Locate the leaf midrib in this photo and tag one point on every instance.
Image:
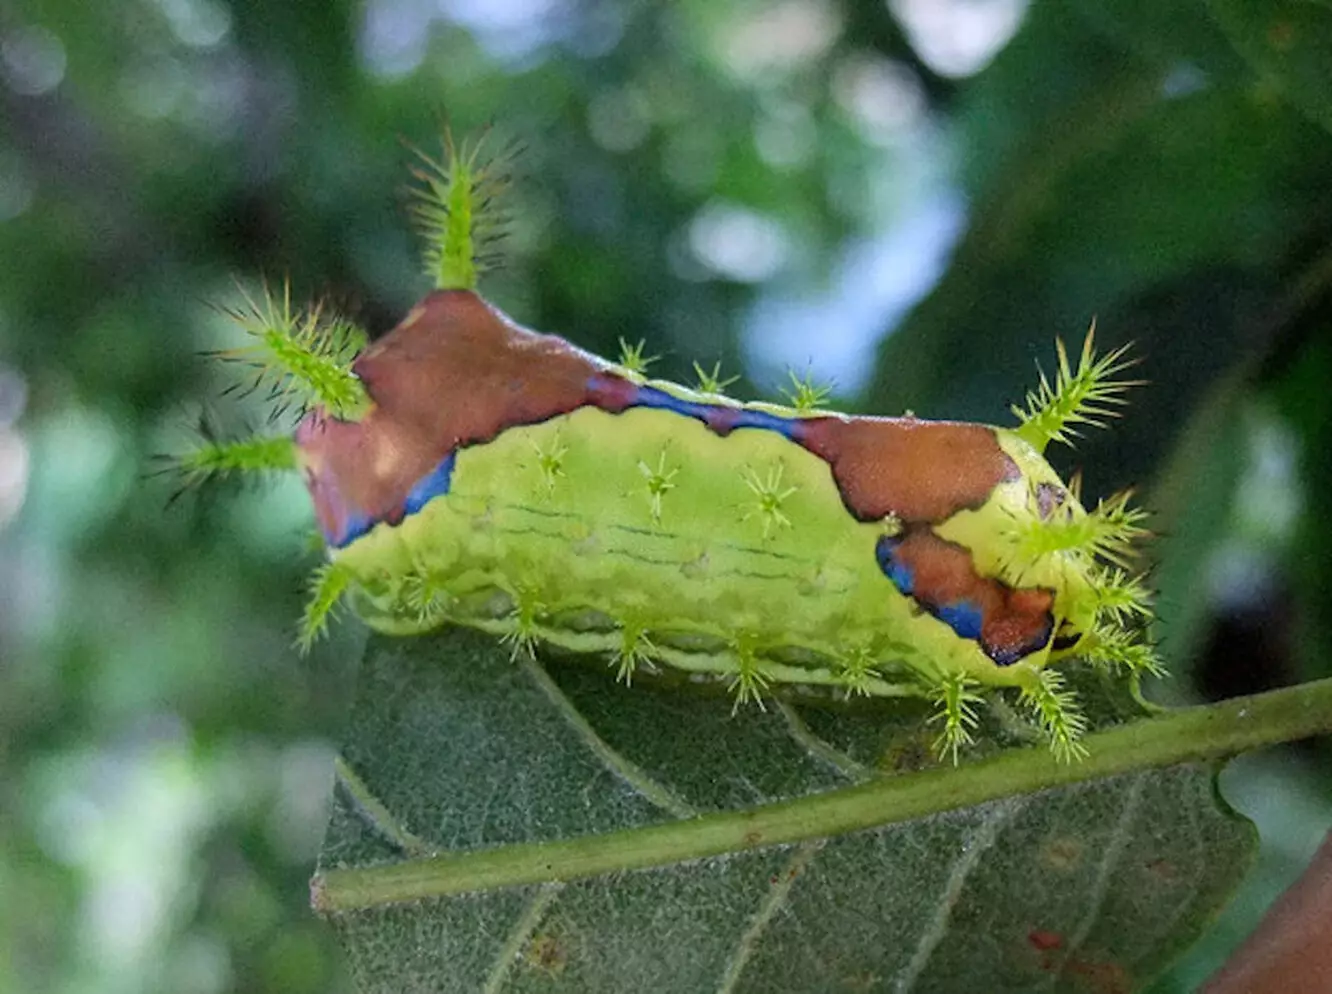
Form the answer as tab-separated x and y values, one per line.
1186	735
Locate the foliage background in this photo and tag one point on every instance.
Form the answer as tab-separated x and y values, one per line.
911	199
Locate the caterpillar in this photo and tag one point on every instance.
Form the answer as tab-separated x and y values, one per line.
466	470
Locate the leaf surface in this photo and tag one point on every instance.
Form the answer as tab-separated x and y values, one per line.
454	748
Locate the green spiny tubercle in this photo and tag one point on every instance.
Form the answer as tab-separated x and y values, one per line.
216	461
955	703
1121	598
1084	396
302	357
455	210
712	382
1108	532
329	584
805	393
632	360
1055	710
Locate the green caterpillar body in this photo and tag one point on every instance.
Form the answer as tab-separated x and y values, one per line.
509	481
466	470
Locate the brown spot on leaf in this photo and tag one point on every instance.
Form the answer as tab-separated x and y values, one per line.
1044	939
1063	854
1163	869
547	953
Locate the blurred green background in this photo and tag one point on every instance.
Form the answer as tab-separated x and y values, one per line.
910	199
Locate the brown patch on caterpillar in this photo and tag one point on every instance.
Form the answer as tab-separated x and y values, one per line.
455	372
911	469
358	469
1008	622
463	372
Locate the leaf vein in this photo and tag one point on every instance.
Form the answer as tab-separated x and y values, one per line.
521	932
820	748
1202	856
773	901
629	771
977	844
1119	840
376	812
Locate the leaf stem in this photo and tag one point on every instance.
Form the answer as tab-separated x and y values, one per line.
1185	735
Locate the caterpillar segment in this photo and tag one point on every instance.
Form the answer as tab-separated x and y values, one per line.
465	470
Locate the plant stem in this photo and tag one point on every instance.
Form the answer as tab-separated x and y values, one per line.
1185	735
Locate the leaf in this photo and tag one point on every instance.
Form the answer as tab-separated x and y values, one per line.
1287	44
455	750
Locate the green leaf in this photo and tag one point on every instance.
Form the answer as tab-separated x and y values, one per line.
513	827
1289	44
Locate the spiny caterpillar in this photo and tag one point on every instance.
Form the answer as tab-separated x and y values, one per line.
466	470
